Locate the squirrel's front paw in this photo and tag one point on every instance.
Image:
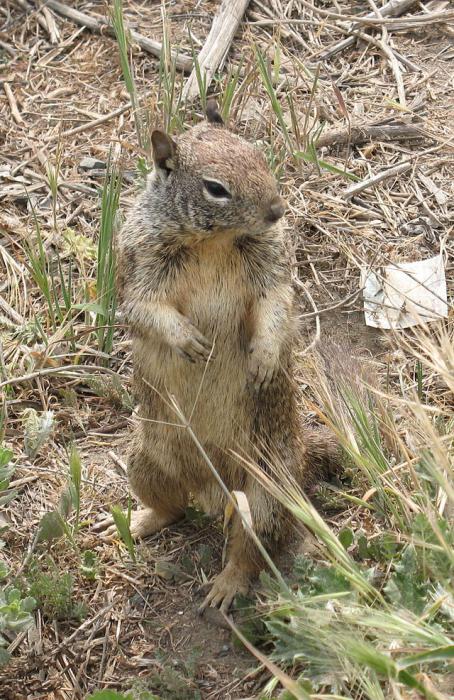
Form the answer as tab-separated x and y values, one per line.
262	365
191	344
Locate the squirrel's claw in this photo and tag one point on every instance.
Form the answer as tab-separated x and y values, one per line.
105	528
262	368
226	586
194	346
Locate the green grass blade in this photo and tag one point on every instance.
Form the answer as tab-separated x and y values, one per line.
105	272
75	475
122	525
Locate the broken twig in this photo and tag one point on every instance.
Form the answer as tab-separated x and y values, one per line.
386	48
217	44
12	103
182	61
45	20
12	313
394	8
362	134
7	48
96	122
375	179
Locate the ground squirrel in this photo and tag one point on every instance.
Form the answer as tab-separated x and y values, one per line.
205	286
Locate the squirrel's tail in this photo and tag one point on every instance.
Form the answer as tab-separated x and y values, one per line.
323	454
339	380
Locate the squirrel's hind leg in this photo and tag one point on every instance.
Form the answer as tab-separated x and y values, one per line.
163	495
245	562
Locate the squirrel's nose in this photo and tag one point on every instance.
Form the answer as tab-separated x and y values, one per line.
276	209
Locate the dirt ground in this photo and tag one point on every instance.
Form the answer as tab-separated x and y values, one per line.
141	618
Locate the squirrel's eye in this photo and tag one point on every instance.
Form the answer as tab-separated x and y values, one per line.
215	189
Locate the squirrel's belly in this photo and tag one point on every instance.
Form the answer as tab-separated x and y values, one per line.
214	396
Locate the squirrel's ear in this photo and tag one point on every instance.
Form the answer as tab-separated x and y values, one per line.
164	152
213	113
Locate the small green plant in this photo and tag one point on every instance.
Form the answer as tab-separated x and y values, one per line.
419	379
37	430
122	524
143	170
55	523
267	79
58	523
6	472
57	289
75	480
53	590
228	89
269	75
200	75
53	174
89	565
15	612
337	639
40	271
175	680
79	246
52	526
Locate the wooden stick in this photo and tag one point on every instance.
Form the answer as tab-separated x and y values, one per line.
119	463
361	134
182	61
56	370
393	23
412	67
391	56
20	482
49	27
394	8
52	26
12	103
217	44
96	122
375	179
9	49
394	63
12	313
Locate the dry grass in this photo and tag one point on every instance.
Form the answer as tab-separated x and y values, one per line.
54	88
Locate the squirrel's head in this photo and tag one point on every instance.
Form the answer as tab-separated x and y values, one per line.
214	181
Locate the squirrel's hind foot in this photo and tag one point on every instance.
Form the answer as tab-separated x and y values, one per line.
231	581
144	522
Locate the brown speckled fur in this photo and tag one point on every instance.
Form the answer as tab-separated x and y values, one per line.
189	265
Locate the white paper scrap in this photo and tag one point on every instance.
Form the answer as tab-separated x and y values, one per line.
405	294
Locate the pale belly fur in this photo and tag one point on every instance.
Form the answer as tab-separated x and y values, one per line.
214	397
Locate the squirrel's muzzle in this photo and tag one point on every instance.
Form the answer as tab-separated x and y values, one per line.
276	210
